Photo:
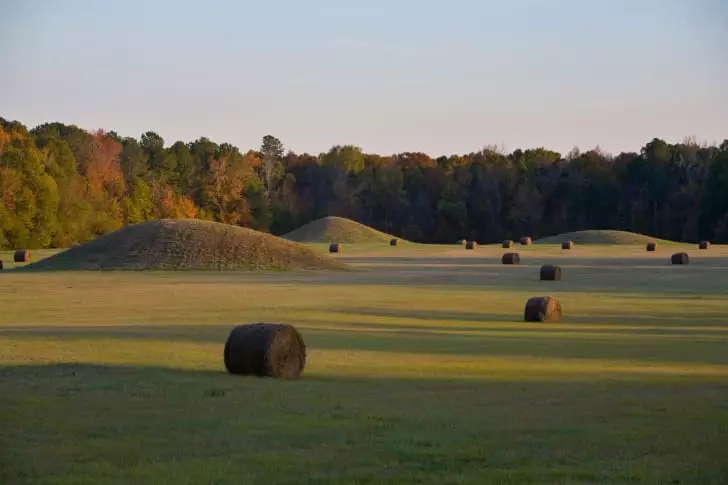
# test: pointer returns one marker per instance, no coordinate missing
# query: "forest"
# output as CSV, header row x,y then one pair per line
x,y
62,185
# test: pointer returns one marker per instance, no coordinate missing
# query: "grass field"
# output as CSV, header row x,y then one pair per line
x,y
420,370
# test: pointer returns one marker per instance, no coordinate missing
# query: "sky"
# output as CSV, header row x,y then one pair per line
x,y
439,77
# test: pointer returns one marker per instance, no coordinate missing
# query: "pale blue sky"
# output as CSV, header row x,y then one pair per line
x,y
435,76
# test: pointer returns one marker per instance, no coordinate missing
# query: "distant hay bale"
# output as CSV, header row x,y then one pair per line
x,y
22,256
471,245
543,309
525,241
511,258
680,258
651,246
335,248
265,350
567,245
463,242
507,244
550,272
704,245
394,241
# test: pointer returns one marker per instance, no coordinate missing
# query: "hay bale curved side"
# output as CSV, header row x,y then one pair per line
x,y
21,256
567,245
526,240
187,244
543,309
507,244
335,248
265,350
680,258
704,245
550,272
1,264
471,245
511,258
394,241
651,246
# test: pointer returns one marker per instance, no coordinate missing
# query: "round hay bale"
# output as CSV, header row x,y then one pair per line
x,y
567,245
704,245
265,350
651,246
550,272
680,258
511,258
471,245
463,242
543,309
22,256
335,248
507,244
525,241
394,241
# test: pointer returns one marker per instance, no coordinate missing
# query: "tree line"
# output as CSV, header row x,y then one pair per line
x,y
63,185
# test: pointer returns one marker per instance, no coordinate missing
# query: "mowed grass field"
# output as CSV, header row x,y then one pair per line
x,y
420,370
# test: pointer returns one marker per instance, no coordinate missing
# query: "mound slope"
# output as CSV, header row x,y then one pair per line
x,y
337,229
171,244
601,237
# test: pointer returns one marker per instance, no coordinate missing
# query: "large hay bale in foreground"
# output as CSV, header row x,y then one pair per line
x,y
394,241
550,272
511,258
471,245
680,258
22,256
704,245
265,350
525,241
335,248
651,246
507,244
567,245
542,309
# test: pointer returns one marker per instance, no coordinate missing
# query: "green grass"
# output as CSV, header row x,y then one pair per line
x,y
338,229
420,370
603,237
188,244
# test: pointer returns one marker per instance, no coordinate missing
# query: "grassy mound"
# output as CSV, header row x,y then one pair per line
x,y
601,237
337,229
187,245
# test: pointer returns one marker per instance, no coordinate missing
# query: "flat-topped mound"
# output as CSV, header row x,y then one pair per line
x,y
337,229
601,237
186,244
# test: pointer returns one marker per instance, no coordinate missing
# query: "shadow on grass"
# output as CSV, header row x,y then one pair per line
x,y
665,345
73,423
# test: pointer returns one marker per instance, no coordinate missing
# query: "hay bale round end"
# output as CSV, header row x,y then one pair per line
x,y
507,244
265,350
335,248
680,258
394,241
543,309
22,256
525,241
550,272
704,245
462,242
471,245
651,246
511,258
567,245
